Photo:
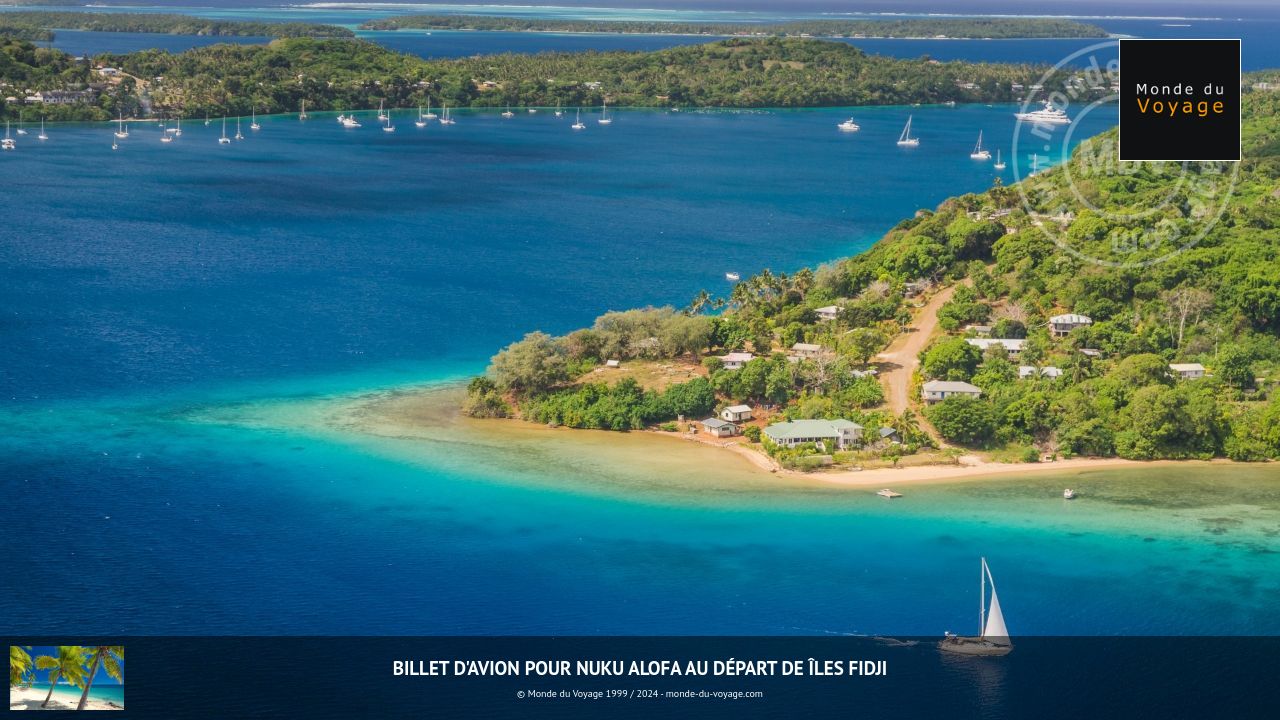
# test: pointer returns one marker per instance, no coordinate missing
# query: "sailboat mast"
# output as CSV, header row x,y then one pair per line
x,y
982,598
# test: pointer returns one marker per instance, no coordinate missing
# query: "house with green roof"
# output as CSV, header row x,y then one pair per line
x,y
838,433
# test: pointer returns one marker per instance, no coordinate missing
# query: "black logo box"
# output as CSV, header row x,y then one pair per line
x,y
1187,65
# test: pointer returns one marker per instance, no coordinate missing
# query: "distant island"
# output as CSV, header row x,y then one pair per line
x,y
965,330
1001,28
164,23
355,74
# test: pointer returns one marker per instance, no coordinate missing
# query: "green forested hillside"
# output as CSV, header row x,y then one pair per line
x,y
905,28
1017,255
351,74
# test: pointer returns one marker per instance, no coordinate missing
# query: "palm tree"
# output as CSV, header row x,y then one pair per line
x,y
68,665
19,664
109,656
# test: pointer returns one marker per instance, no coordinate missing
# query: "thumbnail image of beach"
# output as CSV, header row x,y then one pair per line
x,y
66,677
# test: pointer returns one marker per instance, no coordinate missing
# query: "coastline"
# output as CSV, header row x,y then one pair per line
x,y
31,698
423,413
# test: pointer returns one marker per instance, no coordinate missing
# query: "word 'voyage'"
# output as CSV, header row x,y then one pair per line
x,y
642,668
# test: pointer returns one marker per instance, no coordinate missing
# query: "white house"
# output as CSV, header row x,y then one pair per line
x,y
1048,371
840,433
735,360
829,312
718,427
806,350
736,413
1013,346
1060,325
1187,371
938,390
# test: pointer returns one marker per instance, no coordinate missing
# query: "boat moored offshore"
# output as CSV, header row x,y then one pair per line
x,y
993,635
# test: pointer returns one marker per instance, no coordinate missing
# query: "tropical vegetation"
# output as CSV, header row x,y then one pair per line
x,y
905,28
353,74
1066,240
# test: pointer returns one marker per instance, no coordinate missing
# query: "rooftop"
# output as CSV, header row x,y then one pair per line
x,y
810,428
950,386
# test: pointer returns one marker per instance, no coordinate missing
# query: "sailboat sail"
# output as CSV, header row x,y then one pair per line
x,y
994,631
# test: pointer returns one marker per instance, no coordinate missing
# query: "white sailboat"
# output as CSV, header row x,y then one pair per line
x,y
303,114
122,131
422,119
177,131
508,113
849,126
21,130
447,119
604,115
993,635
382,114
388,126
165,136
7,143
224,140
239,135
905,139
42,136
999,163
253,123
979,152
430,115
559,112
577,124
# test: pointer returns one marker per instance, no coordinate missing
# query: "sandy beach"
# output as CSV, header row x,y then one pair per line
x,y
430,412
30,699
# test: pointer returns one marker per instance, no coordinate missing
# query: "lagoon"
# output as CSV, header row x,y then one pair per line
x,y
192,336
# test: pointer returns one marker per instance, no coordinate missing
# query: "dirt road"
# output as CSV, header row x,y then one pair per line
x,y
899,360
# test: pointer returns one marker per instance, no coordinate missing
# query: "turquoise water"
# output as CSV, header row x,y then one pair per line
x,y
182,325
99,691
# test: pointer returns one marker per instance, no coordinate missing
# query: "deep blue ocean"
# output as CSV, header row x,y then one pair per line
x,y
176,320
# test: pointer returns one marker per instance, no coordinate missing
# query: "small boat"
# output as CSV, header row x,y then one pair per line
x,y
1068,494
447,119
115,145
508,113
389,126
422,119
578,125
122,130
950,103
849,126
533,111
430,115
604,115
7,143
239,135
993,636
224,140
165,137
732,276
302,115
999,163
206,119
559,112
979,152
21,130
42,136
887,493
382,114
253,123
349,121
177,131
905,139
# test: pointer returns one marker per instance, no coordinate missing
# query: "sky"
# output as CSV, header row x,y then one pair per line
x,y
42,676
